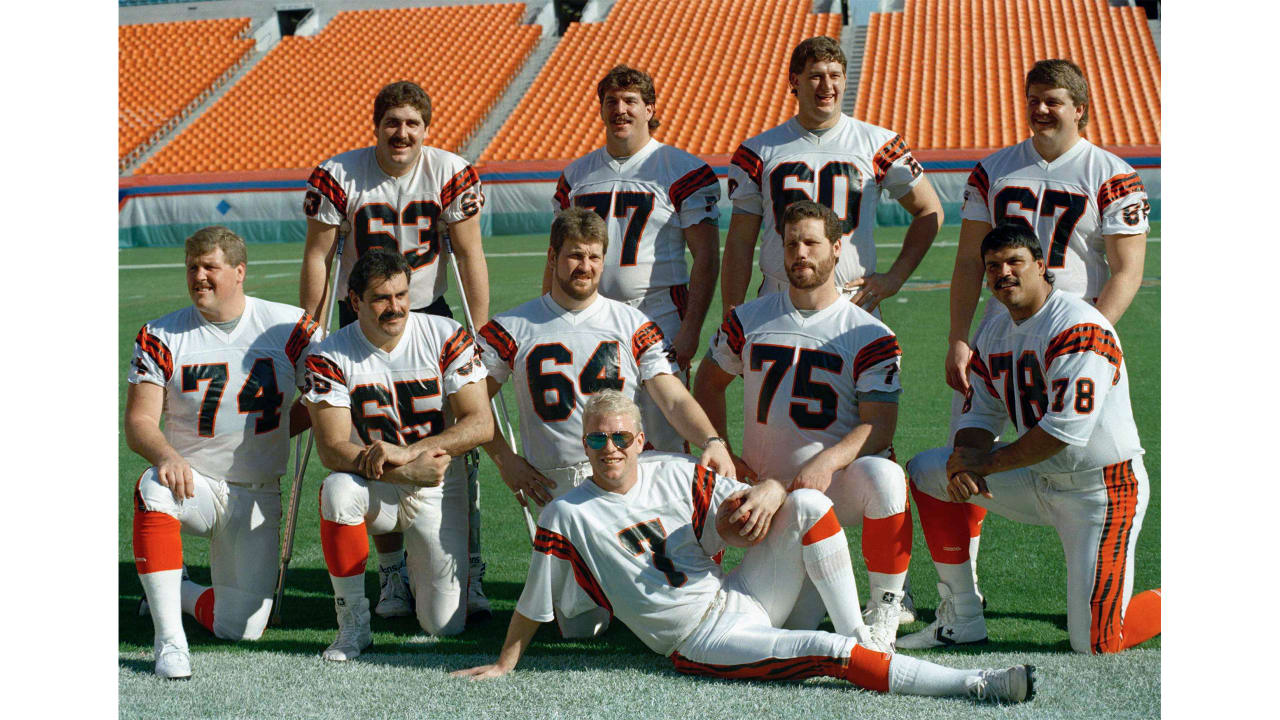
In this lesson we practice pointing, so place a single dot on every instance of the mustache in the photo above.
(1005, 282)
(390, 315)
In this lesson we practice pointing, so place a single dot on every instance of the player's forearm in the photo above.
(341, 456)
(915, 244)
(976, 438)
(739, 251)
(466, 433)
(688, 419)
(1033, 447)
(144, 437)
(475, 281)
(711, 398)
(966, 280)
(317, 259)
(704, 243)
(299, 418)
(519, 635)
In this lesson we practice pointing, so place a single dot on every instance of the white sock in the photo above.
(389, 560)
(973, 558)
(882, 582)
(191, 592)
(164, 596)
(828, 565)
(349, 588)
(957, 576)
(912, 676)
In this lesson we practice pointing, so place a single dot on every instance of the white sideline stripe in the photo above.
(487, 255)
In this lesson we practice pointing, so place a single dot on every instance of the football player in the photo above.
(563, 347)
(221, 374)
(1053, 366)
(1087, 207)
(823, 155)
(396, 399)
(656, 200)
(402, 195)
(820, 399)
(640, 540)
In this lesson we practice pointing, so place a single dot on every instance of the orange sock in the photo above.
(346, 548)
(945, 526)
(157, 541)
(1141, 618)
(869, 669)
(886, 543)
(204, 609)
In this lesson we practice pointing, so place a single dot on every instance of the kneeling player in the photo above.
(1053, 365)
(636, 542)
(220, 373)
(377, 391)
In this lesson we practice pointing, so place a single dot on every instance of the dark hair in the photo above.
(376, 264)
(808, 209)
(820, 48)
(625, 78)
(402, 93)
(206, 240)
(575, 223)
(1062, 74)
(1013, 234)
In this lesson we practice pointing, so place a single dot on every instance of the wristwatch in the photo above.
(712, 439)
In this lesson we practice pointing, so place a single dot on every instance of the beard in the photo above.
(820, 275)
(567, 286)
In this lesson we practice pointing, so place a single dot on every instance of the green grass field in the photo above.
(1022, 570)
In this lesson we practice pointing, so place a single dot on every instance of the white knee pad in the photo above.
(884, 486)
(343, 498)
(197, 514)
(928, 471)
(238, 615)
(807, 506)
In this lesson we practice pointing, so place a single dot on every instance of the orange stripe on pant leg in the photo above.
(945, 526)
(346, 548)
(886, 543)
(1105, 612)
(869, 669)
(826, 526)
(204, 609)
(157, 540)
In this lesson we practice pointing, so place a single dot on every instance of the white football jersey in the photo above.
(803, 376)
(646, 202)
(399, 397)
(1070, 204)
(227, 395)
(558, 357)
(845, 169)
(404, 213)
(1061, 370)
(647, 556)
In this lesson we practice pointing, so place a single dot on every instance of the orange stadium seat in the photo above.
(165, 67)
(970, 96)
(719, 69)
(312, 97)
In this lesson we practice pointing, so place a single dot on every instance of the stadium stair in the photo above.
(506, 104)
(853, 41)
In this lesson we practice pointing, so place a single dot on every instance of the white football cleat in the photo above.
(871, 640)
(395, 599)
(1013, 684)
(354, 635)
(959, 622)
(882, 616)
(172, 662)
(478, 610)
(907, 608)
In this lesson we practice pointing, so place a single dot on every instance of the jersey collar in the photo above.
(228, 337)
(640, 155)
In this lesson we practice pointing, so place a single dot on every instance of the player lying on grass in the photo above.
(636, 541)
(397, 398)
(1054, 367)
(820, 391)
(221, 373)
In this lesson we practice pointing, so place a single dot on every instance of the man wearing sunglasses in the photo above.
(567, 345)
(635, 541)
(820, 384)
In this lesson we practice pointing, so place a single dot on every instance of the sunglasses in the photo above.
(621, 440)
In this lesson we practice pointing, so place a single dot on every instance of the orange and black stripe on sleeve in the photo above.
(324, 183)
(458, 343)
(979, 181)
(1106, 610)
(1118, 187)
(704, 484)
(557, 545)
(326, 368)
(299, 337)
(155, 348)
(562, 192)
(501, 341)
(887, 155)
(1086, 337)
(750, 163)
(645, 337)
(874, 353)
(732, 329)
(691, 183)
(979, 368)
(457, 184)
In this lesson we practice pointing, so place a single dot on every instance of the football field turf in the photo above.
(1022, 571)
